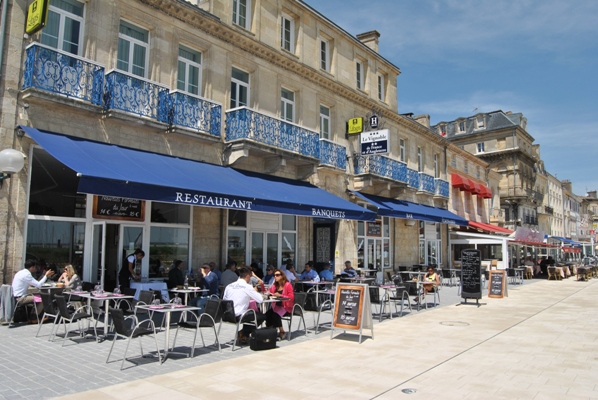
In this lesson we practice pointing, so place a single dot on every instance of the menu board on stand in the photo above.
(352, 309)
(497, 287)
(471, 276)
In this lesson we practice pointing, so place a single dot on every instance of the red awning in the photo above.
(533, 244)
(461, 182)
(476, 188)
(489, 227)
(486, 192)
(571, 249)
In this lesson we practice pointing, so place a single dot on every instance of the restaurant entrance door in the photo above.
(324, 244)
(264, 249)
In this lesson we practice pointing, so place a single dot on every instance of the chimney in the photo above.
(422, 119)
(592, 194)
(370, 39)
(567, 185)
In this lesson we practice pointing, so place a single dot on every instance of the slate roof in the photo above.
(493, 120)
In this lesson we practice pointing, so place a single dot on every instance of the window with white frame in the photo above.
(402, 150)
(287, 104)
(461, 126)
(189, 70)
(325, 54)
(436, 167)
(239, 88)
(465, 167)
(479, 121)
(420, 160)
(454, 162)
(242, 13)
(287, 33)
(133, 49)
(324, 122)
(477, 172)
(381, 83)
(64, 26)
(359, 75)
(480, 147)
(480, 205)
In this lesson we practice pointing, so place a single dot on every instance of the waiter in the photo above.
(128, 269)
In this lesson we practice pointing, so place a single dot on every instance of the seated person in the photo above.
(530, 263)
(430, 281)
(309, 274)
(290, 273)
(176, 277)
(326, 274)
(230, 275)
(269, 277)
(255, 268)
(21, 282)
(349, 271)
(216, 270)
(208, 281)
(281, 288)
(70, 278)
(241, 292)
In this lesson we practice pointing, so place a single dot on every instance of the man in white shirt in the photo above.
(290, 273)
(21, 282)
(241, 293)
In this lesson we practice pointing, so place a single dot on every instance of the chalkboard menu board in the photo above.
(497, 287)
(471, 277)
(348, 307)
(108, 207)
(374, 228)
(352, 309)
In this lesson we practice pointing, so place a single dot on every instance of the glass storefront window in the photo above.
(236, 245)
(288, 246)
(360, 228)
(53, 190)
(56, 242)
(289, 223)
(170, 213)
(166, 246)
(373, 244)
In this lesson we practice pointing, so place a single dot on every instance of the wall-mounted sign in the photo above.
(355, 126)
(374, 121)
(108, 207)
(37, 14)
(374, 228)
(375, 142)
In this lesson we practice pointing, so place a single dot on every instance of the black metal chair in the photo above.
(298, 310)
(136, 332)
(208, 319)
(401, 295)
(227, 309)
(50, 311)
(375, 299)
(80, 314)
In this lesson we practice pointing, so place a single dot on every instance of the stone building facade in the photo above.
(263, 87)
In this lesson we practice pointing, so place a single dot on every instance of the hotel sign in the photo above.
(37, 14)
(355, 126)
(374, 142)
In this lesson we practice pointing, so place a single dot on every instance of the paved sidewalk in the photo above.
(539, 343)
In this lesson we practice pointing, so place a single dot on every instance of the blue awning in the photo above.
(408, 210)
(110, 170)
(564, 240)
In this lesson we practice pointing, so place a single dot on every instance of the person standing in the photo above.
(21, 282)
(127, 271)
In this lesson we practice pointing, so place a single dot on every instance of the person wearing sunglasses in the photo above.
(280, 288)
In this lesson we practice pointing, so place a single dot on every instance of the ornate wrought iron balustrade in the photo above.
(191, 112)
(426, 182)
(413, 178)
(136, 95)
(441, 187)
(381, 166)
(63, 74)
(333, 154)
(243, 123)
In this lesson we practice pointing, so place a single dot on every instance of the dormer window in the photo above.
(442, 130)
(479, 122)
(461, 127)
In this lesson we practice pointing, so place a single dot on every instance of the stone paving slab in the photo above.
(539, 343)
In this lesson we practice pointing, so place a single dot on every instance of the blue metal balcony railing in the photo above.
(191, 112)
(441, 187)
(333, 154)
(426, 182)
(63, 74)
(381, 166)
(136, 95)
(243, 123)
(413, 178)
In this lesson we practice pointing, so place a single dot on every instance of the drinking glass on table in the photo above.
(177, 301)
(79, 288)
(155, 302)
(116, 290)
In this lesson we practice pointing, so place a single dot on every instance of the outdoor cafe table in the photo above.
(153, 286)
(361, 279)
(105, 297)
(167, 310)
(367, 272)
(386, 298)
(317, 288)
(194, 290)
(266, 302)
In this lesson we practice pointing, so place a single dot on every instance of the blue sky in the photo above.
(537, 57)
